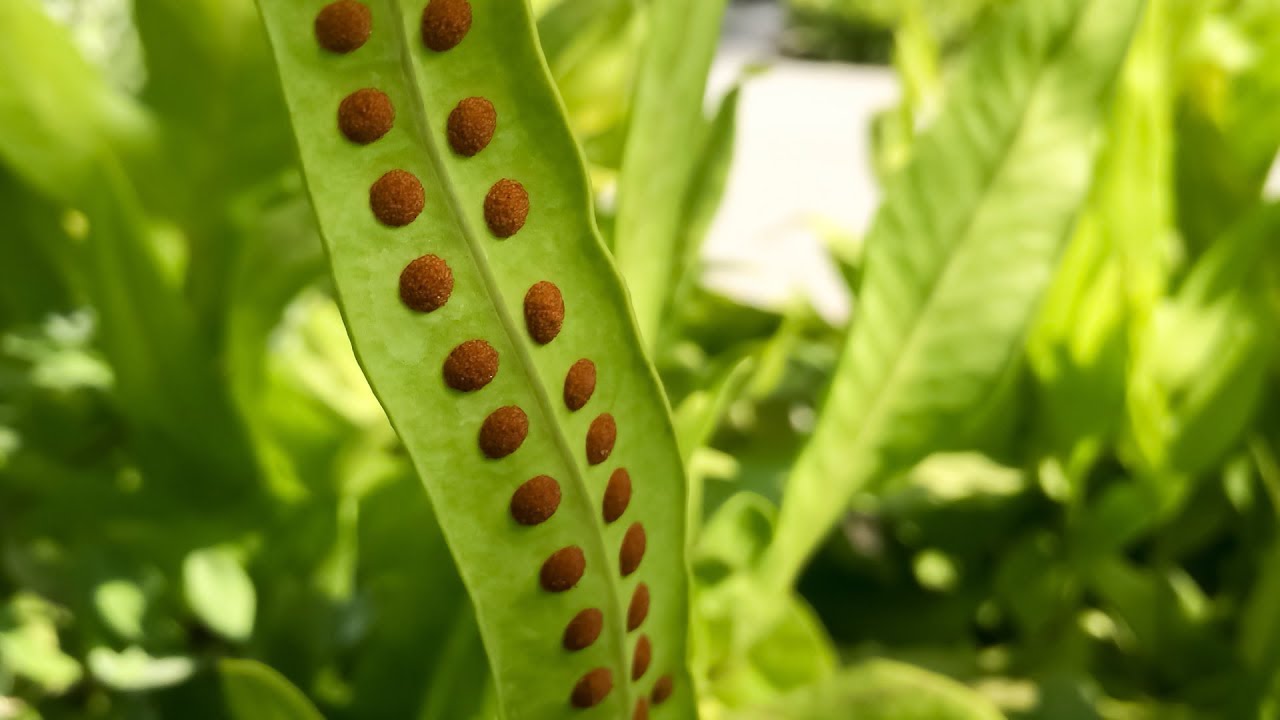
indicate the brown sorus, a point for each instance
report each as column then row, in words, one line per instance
column 426, row 284
column 503, row 432
column 471, row 126
column 343, row 26
column 632, row 549
column 366, row 115
column 592, row 688
column 445, row 23
column 543, row 312
column 583, row 629
column 642, row 710
column 579, row 384
column 662, row 689
column 471, row 366
column 563, row 569
column 640, row 662
column 617, row 495
column 397, row 198
column 600, row 438
column 506, row 207
column 638, row 610
column 536, row 500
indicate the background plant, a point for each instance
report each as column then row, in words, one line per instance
column 192, row 468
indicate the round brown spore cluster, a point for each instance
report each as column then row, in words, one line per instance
column 503, row 432
column 536, row 501
column 617, row 495
column 643, row 656
column 343, row 26
column 366, row 115
column 592, row 688
column 445, row 23
column 579, row 384
column 471, row 126
column 471, row 366
column 600, row 438
column 662, row 689
column 583, row 630
column 426, row 284
column 638, row 609
column 633, row 545
column 543, row 312
column 397, row 198
column 506, row 207
column 563, row 569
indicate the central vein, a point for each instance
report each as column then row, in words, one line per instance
column 615, row 617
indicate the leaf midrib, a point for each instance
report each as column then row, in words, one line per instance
column 422, row 127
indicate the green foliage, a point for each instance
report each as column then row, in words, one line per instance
column 219, row 592
column 1035, row 476
column 241, row 690
column 967, row 237
column 882, row 690
column 863, row 30
column 666, row 112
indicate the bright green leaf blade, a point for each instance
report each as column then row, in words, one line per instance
column 160, row 385
column 134, row 670
column 403, row 352
column 591, row 47
column 29, row 645
column 960, row 253
column 122, row 606
column 881, row 690
column 1198, row 375
column 1114, row 269
column 224, row 128
column 657, row 163
column 253, row 691
column 62, row 131
column 220, row 592
column 458, row 686
column 57, row 113
column 1227, row 140
column 240, row 690
column 702, row 199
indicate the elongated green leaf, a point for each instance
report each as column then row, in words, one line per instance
column 223, row 128
column 57, row 113
column 62, row 131
column 1227, row 143
column 253, row 691
column 240, row 690
column 959, row 254
column 29, row 645
column 881, row 690
column 458, row 686
column 1113, row 271
column 702, row 198
column 403, row 352
column 592, row 48
column 34, row 277
column 220, row 592
column 160, row 384
column 1200, row 371
column 657, row 163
